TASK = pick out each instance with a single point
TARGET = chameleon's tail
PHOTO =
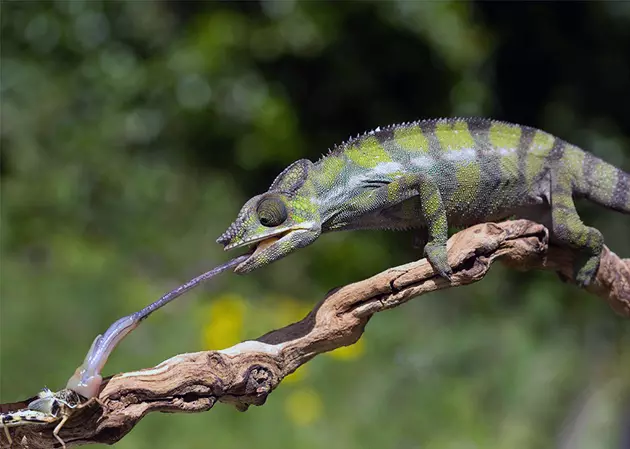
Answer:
(603, 183)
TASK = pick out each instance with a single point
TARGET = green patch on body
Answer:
(302, 208)
(573, 161)
(468, 181)
(411, 138)
(505, 136)
(506, 139)
(539, 150)
(454, 136)
(328, 170)
(368, 153)
(509, 164)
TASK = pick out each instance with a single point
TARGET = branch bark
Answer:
(248, 372)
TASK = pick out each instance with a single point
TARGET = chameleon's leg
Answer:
(431, 207)
(58, 428)
(434, 214)
(568, 229)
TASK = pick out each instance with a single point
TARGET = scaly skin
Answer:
(428, 175)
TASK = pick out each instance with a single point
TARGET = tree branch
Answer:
(248, 372)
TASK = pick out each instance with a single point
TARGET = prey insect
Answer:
(48, 407)
(84, 385)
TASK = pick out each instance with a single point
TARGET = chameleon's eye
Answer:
(271, 212)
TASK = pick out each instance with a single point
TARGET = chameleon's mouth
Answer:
(262, 245)
(274, 246)
(254, 244)
(265, 243)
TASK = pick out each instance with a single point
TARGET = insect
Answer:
(48, 407)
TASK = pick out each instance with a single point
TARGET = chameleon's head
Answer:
(284, 218)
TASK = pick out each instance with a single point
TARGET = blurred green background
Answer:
(132, 133)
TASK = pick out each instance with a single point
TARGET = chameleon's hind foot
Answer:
(568, 229)
(586, 273)
(436, 253)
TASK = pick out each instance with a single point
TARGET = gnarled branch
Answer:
(248, 372)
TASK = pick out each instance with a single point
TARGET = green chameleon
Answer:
(429, 175)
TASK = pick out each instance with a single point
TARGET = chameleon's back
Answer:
(484, 169)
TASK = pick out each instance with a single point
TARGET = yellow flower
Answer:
(351, 352)
(303, 406)
(224, 319)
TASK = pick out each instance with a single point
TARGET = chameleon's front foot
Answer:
(436, 253)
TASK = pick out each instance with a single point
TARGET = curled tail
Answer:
(603, 183)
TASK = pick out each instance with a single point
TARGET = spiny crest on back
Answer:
(376, 132)
(380, 132)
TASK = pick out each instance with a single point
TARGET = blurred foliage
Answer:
(132, 132)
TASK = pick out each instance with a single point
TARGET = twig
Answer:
(248, 372)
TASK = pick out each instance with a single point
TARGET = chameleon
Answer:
(424, 175)
(428, 175)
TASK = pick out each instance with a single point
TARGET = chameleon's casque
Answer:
(428, 175)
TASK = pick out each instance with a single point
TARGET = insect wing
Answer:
(47, 405)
